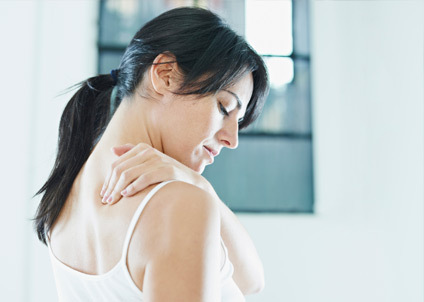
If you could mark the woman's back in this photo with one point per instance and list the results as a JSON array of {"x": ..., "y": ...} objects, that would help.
[{"x": 174, "y": 250}]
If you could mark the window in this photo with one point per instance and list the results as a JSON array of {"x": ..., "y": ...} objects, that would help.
[{"x": 272, "y": 170}]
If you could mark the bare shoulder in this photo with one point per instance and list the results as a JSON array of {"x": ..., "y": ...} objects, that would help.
[
  {"x": 181, "y": 196},
  {"x": 181, "y": 207},
  {"x": 175, "y": 206},
  {"x": 186, "y": 260}
]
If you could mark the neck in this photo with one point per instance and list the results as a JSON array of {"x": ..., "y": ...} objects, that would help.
[{"x": 131, "y": 123}]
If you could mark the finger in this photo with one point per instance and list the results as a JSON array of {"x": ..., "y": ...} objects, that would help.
[
  {"x": 108, "y": 184},
  {"x": 147, "y": 179},
  {"x": 126, "y": 179},
  {"x": 119, "y": 150},
  {"x": 152, "y": 170},
  {"x": 122, "y": 168},
  {"x": 129, "y": 150},
  {"x": 140, "y": 177}
]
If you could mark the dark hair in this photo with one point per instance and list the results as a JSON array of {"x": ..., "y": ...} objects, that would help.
[{"x": 211, "y": 57}]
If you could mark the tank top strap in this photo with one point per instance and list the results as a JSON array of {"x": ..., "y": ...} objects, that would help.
[{"x": 136, "y": 216}]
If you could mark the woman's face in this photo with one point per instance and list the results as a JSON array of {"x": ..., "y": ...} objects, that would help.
[{"x": 194, "y": 130}]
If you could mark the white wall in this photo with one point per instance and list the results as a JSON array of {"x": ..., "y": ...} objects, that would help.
[
  {"x": 46, "y": 46},
  {"x": 365, "y": 242}
]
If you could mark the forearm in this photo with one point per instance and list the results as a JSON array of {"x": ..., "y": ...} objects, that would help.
[{"x": 248, "y": 269}]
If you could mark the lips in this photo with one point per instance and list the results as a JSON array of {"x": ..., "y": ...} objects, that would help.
[{"x": 211, "y": 151}]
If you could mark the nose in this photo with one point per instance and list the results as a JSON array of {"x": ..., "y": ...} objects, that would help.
[{"x": 228, "y": 135}]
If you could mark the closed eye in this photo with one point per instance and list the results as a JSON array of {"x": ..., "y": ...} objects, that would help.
[{"x": 223, "y": 110}]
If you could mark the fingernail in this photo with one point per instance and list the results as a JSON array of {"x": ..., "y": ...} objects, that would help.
[
  {"x": 124, "y": 192},
  {"x": 103, "y": 191},
  {"x": 105, "y": 198},
  {"x": 109, "y": 200}
]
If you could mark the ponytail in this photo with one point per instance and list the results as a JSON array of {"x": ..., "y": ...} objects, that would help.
[{"x": 83, "y": 122}]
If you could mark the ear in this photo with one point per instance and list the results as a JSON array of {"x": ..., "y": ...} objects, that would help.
[{"x": 164, "y": 74}]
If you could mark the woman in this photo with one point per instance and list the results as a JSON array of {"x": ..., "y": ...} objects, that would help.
[{"x": 185, "y": 85}]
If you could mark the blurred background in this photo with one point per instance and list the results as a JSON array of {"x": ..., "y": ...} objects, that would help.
[{"x": 329, "y": 182}]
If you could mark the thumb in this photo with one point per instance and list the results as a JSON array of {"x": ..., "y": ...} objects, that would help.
[{"x": 119, "y": 150}]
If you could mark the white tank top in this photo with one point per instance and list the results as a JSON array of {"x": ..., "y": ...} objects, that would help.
[{"x": 117, "y": 284}]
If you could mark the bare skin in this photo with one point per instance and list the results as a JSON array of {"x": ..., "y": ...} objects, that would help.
[
  {"x": 139, "y": 167},
  {"x": 87, "y": 234}
]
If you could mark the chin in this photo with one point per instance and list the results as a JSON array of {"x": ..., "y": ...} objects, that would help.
[
  {"x": 199, "y": 169},
  {"x": 197, "y": 166}
]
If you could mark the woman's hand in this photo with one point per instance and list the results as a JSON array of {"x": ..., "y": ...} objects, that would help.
[{"x": 141, "y": 166}]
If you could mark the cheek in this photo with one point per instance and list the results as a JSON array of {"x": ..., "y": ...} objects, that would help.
[
  {"x": 200, "y": 122},
  {"x": 187, "y": 128}
]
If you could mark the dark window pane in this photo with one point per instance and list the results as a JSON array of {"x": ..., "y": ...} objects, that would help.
[
  {"x": 109, "y": 60},
  {"x": 120, "y": 20},
  {"x": 265, "y": 174},
  {"x": 298, "y": 105},
  {"x": 288, "y": 108},
  {"x": 232, "y": 11},
  {"x": 301, "y": 27}
]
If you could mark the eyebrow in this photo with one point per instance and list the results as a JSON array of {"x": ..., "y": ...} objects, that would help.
[{"x": 237, "y": 98}]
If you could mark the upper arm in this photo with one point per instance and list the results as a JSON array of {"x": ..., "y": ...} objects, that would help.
[{"x": 186, "y": 263}]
